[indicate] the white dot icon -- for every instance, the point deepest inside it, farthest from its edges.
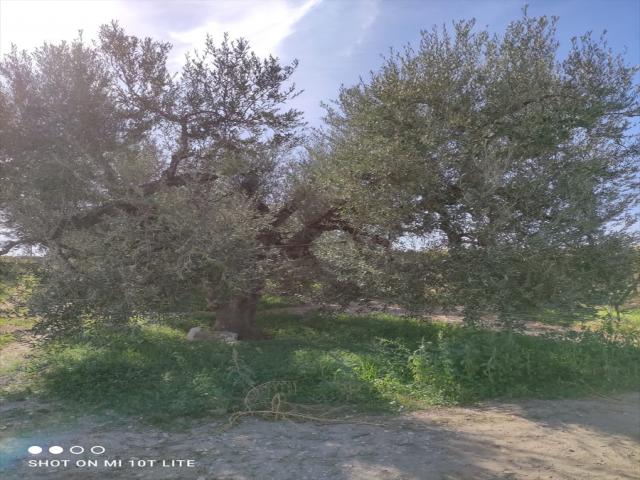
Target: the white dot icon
(34, 450)
(56, 449)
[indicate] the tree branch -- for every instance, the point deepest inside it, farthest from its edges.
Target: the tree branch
(92, 217)
(154, 186)
(284, 213)
(299, 244)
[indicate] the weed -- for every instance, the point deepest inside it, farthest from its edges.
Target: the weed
(374, 363)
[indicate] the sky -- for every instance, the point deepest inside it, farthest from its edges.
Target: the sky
(335, 41)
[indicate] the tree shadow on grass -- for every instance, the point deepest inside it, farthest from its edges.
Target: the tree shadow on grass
(155, 373)
(359, 363)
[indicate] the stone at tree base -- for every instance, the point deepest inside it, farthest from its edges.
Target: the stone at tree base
(202, 334)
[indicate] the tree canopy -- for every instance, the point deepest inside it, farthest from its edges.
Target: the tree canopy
(512, 169)
(522, 165)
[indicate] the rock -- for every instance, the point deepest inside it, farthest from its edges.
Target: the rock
(201, 334)
(193, 333)
(228, 337)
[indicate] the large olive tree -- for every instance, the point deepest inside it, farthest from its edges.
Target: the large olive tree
(518, 167)
(144, 187)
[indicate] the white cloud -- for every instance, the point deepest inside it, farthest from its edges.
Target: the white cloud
(28, 23)
(264, 24)
(371, 11)
(368, 14)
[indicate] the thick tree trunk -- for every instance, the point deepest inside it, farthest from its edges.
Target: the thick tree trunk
(238, 316)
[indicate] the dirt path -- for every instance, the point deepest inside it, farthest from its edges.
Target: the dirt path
(529, 326)
(566, 439)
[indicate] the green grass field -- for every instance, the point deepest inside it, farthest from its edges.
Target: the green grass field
(314, 363)
(373, 363)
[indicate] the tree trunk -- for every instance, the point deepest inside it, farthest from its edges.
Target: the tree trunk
(239, 315)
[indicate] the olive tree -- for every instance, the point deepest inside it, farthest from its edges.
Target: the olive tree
(518, 166)
(506, 166)
(144, 186)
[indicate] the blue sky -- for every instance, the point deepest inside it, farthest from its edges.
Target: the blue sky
(342, 40)
(336, 41)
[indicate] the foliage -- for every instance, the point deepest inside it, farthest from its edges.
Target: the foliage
(18, 278)
(471, 170)
(143, 187)
(490, 364)
(517, 163)
(516, 281)
(379, 362)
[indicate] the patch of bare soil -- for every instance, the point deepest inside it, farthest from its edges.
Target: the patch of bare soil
(584, 439)
(530, 326)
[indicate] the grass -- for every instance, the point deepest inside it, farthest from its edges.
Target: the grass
(373, 363)
(5, 339)
(358, 363)
(628, 326)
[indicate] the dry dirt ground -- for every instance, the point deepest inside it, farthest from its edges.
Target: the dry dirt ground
(529, 326)
(596, 438)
